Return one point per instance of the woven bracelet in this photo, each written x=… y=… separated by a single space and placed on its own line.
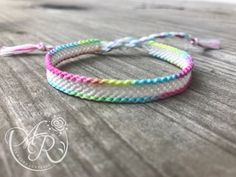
x=113 y=90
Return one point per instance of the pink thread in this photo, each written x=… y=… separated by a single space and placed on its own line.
x=209 y=44
x=26 y=48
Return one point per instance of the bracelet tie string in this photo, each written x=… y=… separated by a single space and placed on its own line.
x=123 y=42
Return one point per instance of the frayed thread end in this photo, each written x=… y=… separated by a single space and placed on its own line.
x=209 y=44
x=22 y=49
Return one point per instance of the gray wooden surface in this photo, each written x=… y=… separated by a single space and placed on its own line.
x=189 y=135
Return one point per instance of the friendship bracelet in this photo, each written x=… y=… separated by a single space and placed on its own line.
x=114 y=90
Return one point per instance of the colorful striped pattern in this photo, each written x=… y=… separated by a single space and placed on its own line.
x=121 y=91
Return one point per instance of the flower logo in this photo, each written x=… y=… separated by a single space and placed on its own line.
x=58 y=124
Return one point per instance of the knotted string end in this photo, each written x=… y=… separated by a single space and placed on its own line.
x=214 y=44
x=22 y=49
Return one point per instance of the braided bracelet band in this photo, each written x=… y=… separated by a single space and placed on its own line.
x=121 y=91
x=106 y=90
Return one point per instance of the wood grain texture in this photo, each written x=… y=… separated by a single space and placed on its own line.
x=192 y=134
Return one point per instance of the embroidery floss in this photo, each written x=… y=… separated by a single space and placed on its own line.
x=121 y=91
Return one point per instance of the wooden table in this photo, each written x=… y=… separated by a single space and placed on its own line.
x=189 y=135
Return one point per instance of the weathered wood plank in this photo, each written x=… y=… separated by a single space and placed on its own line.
x=192 y=134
